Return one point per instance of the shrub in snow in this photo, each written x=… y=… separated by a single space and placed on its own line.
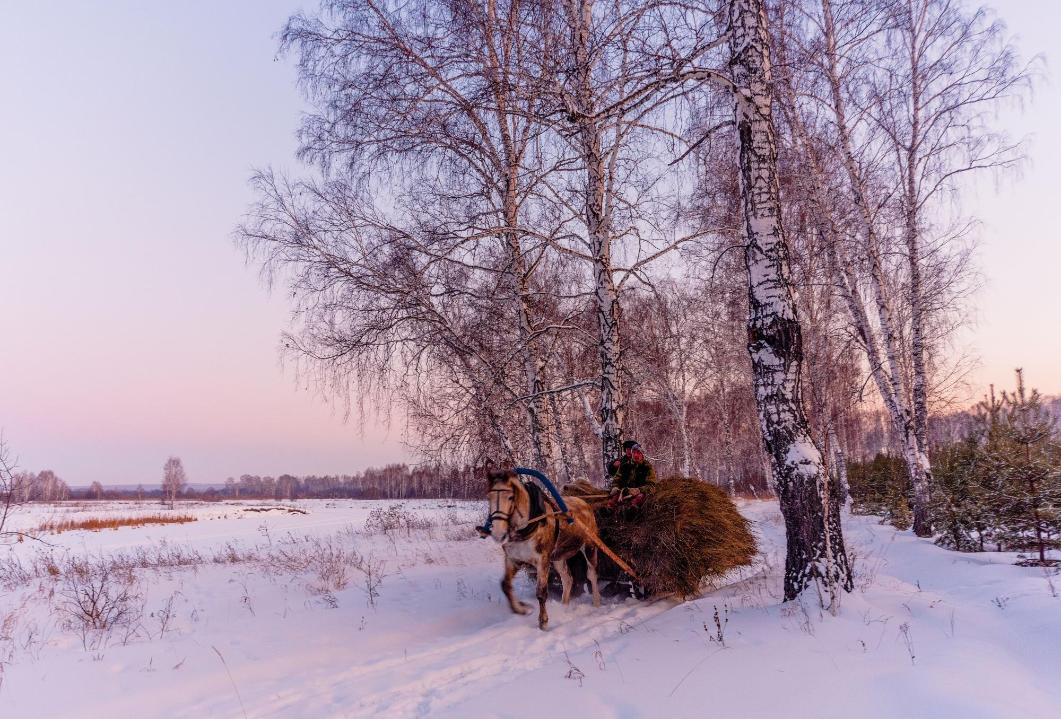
x=1001 y=485
x=899 y=514
x=386 y=520
x=881 y=486
x=960 y=508
x=97 y=598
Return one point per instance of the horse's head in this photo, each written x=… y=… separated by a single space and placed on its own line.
x=506 y=496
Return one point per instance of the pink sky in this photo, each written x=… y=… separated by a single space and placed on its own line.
x=1019 y=309
x=131 y=327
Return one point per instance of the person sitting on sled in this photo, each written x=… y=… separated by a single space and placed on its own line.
x=632 y=476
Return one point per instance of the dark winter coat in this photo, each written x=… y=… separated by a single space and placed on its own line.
x=630 y=474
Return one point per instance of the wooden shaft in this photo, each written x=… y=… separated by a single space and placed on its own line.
x=593 y=538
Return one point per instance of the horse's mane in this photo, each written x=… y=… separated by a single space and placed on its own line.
x=537 y=503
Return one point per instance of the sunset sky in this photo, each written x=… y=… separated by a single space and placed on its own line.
x=131 y=327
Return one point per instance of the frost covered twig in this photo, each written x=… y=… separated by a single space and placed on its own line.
x=904 y=629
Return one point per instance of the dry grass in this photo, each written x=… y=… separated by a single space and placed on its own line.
x=94 y=524
x=686 y=532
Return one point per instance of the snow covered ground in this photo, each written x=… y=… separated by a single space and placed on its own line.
x=381 y=609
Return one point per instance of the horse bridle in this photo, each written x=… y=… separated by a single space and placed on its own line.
x=521 y=532
x=498 y=514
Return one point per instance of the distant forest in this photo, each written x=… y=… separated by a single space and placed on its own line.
x=741 y=472
x=394 y=481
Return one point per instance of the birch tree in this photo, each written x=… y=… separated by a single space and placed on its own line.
x=846 y=69
x=859 y=67
x=820 y=218
x=815 y=546
x=429 y=107
x=582 y=106
x=374 y=311
x=617 y=67
x=671 y=339
x=173 y=480
x=950 y=69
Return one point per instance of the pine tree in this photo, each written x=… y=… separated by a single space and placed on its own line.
x=882 y=486
x=899 y=514
x=960 y=504
x=1025 y=453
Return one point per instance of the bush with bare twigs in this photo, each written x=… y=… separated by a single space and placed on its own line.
x=330 y=563
x=97 y=598
x=396 y=518
x=12 y=494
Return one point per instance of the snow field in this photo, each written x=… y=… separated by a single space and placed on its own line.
x=273 y=614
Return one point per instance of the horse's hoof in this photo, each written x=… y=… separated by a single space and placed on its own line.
x=543 y=625
x=522 y=609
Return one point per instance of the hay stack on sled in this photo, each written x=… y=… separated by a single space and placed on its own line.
x=687 y=531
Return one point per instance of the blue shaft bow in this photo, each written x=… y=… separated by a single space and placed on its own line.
x=485 y=529
x=549 y=486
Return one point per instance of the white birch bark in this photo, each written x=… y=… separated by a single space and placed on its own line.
x=919 y=398
x=500 y=74
x=814 y=538
x=598 y=228
x=891 y=384
x=559 y=458
x=686 y=441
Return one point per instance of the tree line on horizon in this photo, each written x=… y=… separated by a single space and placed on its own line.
x=392 y=481
x=870 y=440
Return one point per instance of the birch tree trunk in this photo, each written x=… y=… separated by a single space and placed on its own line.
x=537 y=414
x=598 y=227
x=919 y=398
x=814 y=538
x=840 y=465
x=560 y=457
x=512 y=144
x=891 y=386
x=686 y=442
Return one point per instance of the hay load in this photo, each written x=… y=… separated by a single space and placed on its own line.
x=687 y=531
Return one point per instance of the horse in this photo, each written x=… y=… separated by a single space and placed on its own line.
x=532 y=532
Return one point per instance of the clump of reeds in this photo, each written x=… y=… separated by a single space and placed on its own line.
x=94 y=524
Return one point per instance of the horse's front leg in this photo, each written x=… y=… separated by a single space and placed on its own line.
x=543 y=589
x=506 y=586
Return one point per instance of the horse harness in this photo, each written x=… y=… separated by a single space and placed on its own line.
x=537 y=514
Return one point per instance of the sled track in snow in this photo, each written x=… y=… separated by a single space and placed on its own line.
x=445 y=672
